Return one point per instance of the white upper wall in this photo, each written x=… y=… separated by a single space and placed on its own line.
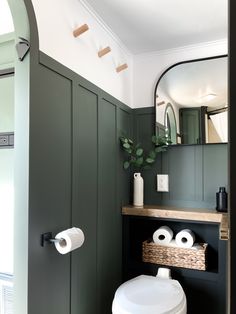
x=56 y=21
x=149 y=67
x=133 y=86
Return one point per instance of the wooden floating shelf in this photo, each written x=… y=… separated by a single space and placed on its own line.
x=104 y=51
x=193 y=214
x=80 y=30
x=121 y=67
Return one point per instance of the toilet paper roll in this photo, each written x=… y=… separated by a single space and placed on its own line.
x=163 y=235
x=70 y=240
x=185 y=238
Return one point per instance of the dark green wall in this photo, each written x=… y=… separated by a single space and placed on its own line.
x=195 y=171
x=76 y=179
x=143 y=130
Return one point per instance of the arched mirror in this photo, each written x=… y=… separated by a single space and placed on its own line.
x=197 y=92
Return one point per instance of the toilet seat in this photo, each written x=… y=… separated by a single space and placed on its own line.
x=149 y=295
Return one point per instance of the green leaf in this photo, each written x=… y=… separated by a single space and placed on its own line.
x=137 y=146
x=136 y=152
x=161 y=141
x=159 y=149
x=139 y=151
x=154 y=139
x=139 y=161
x=149 y=160
x=152 y=154
x=126 y=145
x=126 y=165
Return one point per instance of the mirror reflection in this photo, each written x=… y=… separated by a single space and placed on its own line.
x=192 y=103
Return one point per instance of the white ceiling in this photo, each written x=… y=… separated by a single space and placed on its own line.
x=6 y=23
x=154 y=25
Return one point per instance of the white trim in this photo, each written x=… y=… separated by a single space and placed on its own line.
x=223 y=42
x=105 y=27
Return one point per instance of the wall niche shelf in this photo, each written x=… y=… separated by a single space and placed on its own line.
x=209 y=226
x=191 y=214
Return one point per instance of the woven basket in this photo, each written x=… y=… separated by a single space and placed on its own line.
x=175 y=256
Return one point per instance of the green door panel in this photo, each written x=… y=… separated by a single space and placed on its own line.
x=76 y=179
x=49 y=191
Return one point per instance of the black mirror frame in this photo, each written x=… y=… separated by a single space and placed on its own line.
x=174 y=65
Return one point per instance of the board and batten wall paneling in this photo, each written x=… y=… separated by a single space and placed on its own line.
x=143 y=131
x=195 y=171
x=76 y=179
x=114 y=119
x=215 y=165
x=85 y=199
x=109 y=231
x=124 y=128
x=49 y=189
x=184 y=164
x=144 y=126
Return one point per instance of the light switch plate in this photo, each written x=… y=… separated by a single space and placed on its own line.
x=163 y=183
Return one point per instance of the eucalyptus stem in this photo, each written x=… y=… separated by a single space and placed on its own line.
x=137 y=157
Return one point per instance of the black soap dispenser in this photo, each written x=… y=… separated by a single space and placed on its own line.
x=221 y=200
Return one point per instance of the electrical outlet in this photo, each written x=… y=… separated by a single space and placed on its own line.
x=3 y=140
x=163 y=183
x=6 y=139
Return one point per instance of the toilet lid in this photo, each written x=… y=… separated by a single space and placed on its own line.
x=148 y=294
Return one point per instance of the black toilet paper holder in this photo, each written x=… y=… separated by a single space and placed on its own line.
x=48 y=238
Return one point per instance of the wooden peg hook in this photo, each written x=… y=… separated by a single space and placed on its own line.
x=104 y=51
x=80 y=30
x=121 y=67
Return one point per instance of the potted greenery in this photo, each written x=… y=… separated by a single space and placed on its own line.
x=137 y=157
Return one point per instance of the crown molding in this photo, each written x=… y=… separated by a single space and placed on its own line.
x=105 y=27
x=221 y=42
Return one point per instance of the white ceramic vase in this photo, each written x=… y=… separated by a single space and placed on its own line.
x=138 y=190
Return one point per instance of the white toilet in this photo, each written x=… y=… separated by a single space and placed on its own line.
x=150 y=295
